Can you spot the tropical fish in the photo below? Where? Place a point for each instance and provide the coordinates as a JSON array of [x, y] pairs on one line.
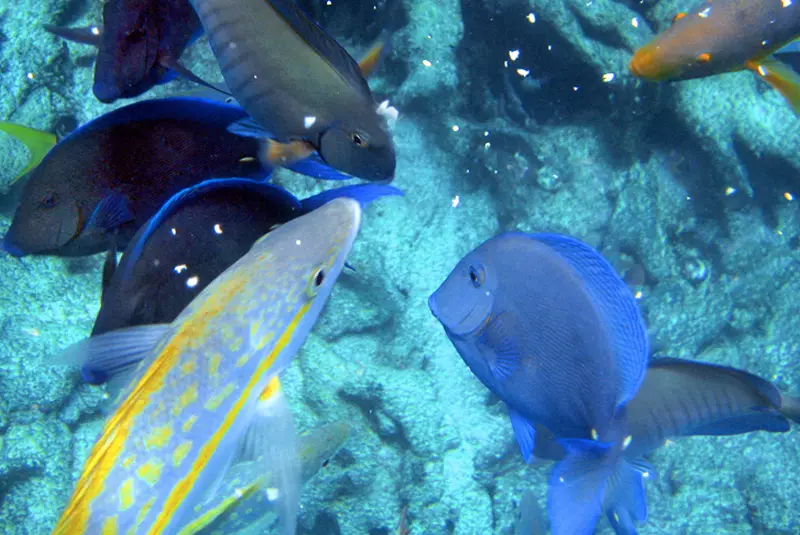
[[241, 502], [138, 45], [108, 177], [530, 517], [681, 398], [303, 90], [196, 236], [724, 36], [206, 392], [551, 329]]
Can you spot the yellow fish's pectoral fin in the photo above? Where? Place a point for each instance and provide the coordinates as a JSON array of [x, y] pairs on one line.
[[372, 59], [37, 142], [781, 77], [285, 154]]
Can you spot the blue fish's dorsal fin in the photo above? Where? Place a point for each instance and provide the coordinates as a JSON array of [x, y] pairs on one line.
[[503, 357], [626, 501], [323, 43], [578, 485], [614, 300], [111, 212], [363, 193], [179, 199], [524, 432]]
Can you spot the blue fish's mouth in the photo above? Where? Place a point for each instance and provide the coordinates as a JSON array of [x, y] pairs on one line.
[[11, 248], [474, 320]]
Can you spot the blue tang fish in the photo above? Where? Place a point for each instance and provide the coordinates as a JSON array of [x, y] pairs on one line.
[[551, 329], [196, 236], [681, 398], [306, 94], [138, 45], [197, 398]]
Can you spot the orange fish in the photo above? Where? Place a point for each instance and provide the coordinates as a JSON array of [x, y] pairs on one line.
[[725, 36]]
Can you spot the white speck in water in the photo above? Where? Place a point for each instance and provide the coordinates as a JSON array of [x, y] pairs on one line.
[[192, 281]]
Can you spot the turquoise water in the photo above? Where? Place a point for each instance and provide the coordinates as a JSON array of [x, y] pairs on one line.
[[688, 188]]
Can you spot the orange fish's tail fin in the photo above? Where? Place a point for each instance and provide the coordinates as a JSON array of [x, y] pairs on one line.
[[781, 77], [37, 142]]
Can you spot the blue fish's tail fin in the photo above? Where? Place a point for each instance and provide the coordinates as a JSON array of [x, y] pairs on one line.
[[578, 486], [626, 503], [363, 193], [790, 407]]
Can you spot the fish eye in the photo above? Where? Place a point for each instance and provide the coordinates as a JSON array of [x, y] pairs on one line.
[[48, 201], [325, 463], [476, 275], [359, 139], [316, 280]]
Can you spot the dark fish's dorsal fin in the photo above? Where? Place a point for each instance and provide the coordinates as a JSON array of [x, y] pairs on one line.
[[179, 199], [321, 41], [616, 302], [90, 35]]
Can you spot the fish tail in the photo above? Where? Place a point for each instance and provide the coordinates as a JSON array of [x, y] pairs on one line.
[[790, 408], [578, 486], [781, 77], [626, 503], [37, 142]]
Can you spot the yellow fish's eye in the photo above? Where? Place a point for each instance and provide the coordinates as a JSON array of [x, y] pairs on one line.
[[315, 281]]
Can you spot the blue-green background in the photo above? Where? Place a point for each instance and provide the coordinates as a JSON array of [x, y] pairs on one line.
[[686, 181]]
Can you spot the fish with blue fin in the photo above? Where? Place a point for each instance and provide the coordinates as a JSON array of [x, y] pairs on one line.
[[195, 236], [681, 398], [546, 323], [304, 92], [138, 45], [206, 394], [108, 177], [725, 36]]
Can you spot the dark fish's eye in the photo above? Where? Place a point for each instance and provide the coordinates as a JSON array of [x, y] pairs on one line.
[[324, 463], [48, 201], [359, 139], [476, 275]]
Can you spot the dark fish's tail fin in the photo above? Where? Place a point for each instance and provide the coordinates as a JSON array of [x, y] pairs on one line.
[[578, 486], [790, 407], [626, 503]]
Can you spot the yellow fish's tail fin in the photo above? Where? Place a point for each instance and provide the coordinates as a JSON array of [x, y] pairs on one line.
[[781, 77], [372, 59], [38, 143]]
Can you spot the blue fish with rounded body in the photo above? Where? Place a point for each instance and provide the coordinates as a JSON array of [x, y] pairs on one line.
[[550, 328]]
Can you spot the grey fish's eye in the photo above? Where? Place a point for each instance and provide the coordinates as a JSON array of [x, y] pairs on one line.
[[359, 139], [48, 201], [476, 275]]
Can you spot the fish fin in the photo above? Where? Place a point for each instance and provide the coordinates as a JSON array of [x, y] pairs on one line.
[[524, 432], [248, 127], [614, 299], [781, 77], [37, 142], [578, 485], [323, 43], [111, 212], [218, 505], [790, 408], [114, 356], [314, 167], [271, 441], [175, 66], [505, 356], [363, 193], [754, 421], [372, 59], [626, 502], [109, 265], [279, 154], [204, 93], [351, 268], [89, 35]]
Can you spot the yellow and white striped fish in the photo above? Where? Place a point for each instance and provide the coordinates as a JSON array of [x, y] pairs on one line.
[[193, 402]]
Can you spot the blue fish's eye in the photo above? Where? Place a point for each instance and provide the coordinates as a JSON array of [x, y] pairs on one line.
[[48, 201], [476, 275]]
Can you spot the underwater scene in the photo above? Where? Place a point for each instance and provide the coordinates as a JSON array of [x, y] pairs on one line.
[[399, 267]]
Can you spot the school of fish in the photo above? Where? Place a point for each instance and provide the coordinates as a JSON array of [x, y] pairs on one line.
[[223, 275]]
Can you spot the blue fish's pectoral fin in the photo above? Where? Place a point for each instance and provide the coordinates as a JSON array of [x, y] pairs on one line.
[[113, 357], [372, 59], [524, 432], [175, 66], [111, 212], [363, 193], [781, 77], [271, 441], [89, 35], [314, 167], [503, 355], [248, 127], [578, 485], [37, 142], [626, 502]]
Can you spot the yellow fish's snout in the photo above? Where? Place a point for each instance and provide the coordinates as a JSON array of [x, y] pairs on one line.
[[646, 64]]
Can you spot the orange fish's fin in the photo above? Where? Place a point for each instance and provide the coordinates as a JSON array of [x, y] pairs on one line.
[[37, 142], [280, 154], [372, 59], [678, 16], [781, 77]]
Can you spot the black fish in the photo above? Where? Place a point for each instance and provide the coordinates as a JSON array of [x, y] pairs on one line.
[[139, 44], [198, 234], [112, 174]]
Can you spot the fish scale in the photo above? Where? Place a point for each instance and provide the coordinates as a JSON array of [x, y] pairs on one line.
[[162, 449]]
